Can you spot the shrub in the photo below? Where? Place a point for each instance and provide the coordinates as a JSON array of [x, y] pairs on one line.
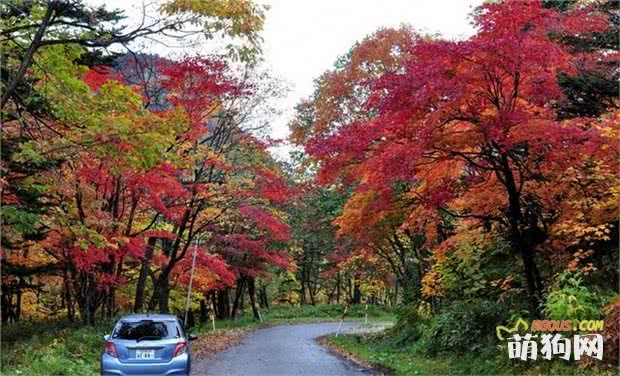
[[412, 321], [569, 299], [611, 335], [52, 348], [464, 326]]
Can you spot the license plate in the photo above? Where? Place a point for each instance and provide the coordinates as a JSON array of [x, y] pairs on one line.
[[145, 354]]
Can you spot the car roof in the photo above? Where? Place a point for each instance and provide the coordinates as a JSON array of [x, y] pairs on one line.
[[149, 316]]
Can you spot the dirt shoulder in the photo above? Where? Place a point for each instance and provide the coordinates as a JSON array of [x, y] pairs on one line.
[[209, 344]]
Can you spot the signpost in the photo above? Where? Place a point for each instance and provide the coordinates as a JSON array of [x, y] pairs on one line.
[[189, 290], [342, 320]]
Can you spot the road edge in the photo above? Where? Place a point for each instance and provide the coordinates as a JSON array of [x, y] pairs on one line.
[[346, 355]]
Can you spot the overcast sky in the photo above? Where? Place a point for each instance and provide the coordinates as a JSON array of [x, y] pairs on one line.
[[303, 38]]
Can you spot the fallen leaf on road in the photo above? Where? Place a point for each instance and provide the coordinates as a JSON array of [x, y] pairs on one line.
[[211, 343]]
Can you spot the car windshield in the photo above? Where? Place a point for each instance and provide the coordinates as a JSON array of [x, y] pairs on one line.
[[147, 329]]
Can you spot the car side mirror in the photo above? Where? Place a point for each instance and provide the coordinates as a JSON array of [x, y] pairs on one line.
[[106, 337], [192, 337]]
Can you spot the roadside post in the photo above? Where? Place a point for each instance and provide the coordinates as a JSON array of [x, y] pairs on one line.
[[189, 290], [344, 314], [366, 315]]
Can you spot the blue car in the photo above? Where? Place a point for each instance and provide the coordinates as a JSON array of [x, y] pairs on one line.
[[147, 344]]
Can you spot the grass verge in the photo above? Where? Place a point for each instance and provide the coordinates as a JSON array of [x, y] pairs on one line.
[[52, 348], [378, 352], [284, 314]]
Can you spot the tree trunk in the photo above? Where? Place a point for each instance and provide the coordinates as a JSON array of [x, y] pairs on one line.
[[238, 294], [311, 295], [34, 46], [216, 312], [264, 299], [338, 289], [311, 289], [164, 294], [88, 311], [357, 292], [161, 293], [154, 301], [395, 301], [519, 242], [203, 311], [87, 297], [110, 302], [67, 296], [242, 304], [410, 291], [191, 322], [144, 272], [252, 293], [4, 306], [302, 291], [223, 303], [18, 304]]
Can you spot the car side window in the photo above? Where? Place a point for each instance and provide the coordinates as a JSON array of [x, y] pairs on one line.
[[116, 329], [180, 330]]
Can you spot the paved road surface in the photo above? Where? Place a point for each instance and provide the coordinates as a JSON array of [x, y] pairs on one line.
[[280, 350]]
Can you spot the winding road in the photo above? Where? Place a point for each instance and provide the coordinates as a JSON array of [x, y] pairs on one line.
[[281, 350]]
